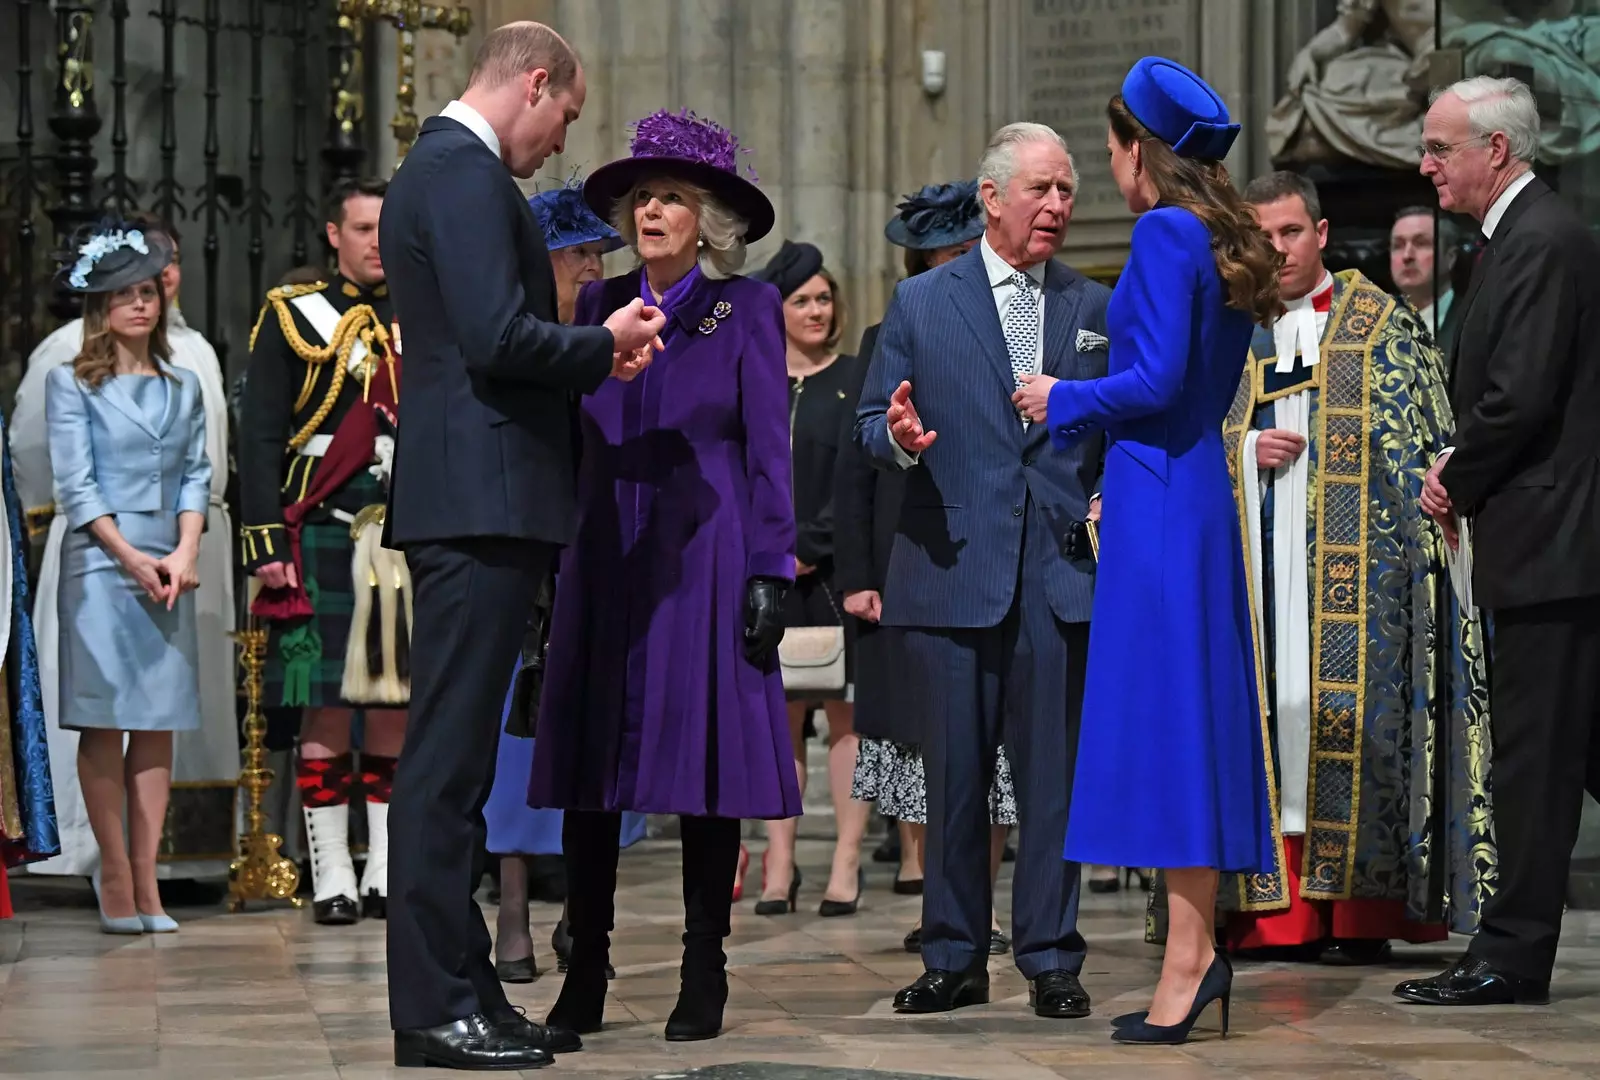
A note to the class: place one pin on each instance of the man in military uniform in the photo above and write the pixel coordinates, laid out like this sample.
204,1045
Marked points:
315,438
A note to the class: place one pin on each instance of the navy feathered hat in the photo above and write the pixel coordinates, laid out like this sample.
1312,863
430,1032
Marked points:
567,220
1179,109
940,215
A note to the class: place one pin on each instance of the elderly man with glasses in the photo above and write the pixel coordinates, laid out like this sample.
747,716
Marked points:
1519,493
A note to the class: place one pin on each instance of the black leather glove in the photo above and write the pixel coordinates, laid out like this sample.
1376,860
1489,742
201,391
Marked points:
763,617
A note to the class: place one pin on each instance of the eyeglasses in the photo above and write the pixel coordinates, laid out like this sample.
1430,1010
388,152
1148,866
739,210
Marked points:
1439,151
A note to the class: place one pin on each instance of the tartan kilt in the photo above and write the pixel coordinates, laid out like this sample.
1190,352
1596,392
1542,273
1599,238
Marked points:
305,658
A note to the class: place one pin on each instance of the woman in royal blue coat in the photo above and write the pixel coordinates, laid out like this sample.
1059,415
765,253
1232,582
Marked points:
1171,770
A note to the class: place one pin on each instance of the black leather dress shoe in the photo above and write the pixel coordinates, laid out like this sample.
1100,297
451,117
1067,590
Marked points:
1059,995
551,1038
335,911
1471,981
469,1043
374,905
940,991
1356,952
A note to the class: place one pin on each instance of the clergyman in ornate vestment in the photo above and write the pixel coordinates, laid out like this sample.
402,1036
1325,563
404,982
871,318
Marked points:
1373,678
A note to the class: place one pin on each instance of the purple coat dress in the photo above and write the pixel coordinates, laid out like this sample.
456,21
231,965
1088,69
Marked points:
683,495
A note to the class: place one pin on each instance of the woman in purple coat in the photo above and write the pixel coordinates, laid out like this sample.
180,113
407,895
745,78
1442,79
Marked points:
662,690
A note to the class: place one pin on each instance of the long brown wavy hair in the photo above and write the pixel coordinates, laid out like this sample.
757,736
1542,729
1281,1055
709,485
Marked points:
1246,259
97,360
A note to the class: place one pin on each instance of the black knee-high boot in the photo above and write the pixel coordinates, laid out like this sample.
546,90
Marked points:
589,841
710,858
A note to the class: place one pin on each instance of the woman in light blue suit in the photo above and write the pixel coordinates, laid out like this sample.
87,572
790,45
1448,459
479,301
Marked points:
127,449
1171,699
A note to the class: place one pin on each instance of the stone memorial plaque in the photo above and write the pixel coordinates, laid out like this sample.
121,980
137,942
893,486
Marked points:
1074,55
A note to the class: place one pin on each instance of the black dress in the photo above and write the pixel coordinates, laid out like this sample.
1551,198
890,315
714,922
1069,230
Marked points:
819,408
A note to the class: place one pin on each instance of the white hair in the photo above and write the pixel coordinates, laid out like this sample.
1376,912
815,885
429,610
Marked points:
721,229
1503,105
999,161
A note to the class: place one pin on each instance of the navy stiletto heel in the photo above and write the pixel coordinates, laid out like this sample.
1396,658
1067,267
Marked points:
1216,986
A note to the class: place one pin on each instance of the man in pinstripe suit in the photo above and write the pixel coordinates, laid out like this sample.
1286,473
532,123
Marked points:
990,575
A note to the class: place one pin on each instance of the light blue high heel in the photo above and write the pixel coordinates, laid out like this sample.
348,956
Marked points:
129,925
158,924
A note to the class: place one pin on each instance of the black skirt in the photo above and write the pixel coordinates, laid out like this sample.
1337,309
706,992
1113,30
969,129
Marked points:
881,711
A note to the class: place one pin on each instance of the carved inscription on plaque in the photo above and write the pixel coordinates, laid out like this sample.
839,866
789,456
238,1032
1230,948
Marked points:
1075,53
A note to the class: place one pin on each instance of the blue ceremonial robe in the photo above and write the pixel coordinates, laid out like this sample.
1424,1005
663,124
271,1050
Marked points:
1170,769
515,828
27,801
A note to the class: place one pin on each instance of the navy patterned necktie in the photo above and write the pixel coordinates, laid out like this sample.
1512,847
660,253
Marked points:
1022,328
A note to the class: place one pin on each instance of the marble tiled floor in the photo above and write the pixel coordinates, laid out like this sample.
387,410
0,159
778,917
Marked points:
269,994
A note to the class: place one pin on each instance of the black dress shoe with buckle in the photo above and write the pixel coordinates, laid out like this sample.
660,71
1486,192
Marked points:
470,1043
1059,995
335,911
1472,981
551,1038
938,991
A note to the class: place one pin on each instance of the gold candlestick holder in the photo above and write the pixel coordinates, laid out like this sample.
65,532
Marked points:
407,17
260,872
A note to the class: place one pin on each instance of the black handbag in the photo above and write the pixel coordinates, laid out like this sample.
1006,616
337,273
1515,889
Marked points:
522,720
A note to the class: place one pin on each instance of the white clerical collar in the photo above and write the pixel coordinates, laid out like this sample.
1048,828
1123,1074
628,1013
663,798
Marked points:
473,121
1000,271
1296,332
1491,220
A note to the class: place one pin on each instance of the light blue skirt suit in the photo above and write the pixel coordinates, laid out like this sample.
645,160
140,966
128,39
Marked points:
1171,765
134,448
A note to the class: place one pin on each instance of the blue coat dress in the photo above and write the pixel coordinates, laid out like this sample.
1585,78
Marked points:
1170,769
135,449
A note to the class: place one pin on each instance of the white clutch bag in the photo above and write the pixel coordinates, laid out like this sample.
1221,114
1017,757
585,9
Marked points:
812,658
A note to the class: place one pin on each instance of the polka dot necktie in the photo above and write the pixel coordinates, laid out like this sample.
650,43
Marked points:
1022,328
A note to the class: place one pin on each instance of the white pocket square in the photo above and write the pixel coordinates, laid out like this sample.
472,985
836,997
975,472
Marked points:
1089,341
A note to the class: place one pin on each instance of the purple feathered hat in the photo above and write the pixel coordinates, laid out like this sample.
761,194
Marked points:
686,147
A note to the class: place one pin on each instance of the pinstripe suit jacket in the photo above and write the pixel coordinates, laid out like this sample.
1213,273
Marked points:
957,557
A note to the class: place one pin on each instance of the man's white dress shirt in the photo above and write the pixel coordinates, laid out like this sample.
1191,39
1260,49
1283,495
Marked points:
474,122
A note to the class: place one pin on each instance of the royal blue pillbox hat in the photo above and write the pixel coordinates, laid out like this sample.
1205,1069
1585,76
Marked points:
1179,108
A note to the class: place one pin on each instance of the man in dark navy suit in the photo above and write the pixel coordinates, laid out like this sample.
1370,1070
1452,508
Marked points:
1523,480
482,497
991,574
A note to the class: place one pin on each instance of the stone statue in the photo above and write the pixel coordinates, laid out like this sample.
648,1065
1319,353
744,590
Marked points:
1354,96
1556,45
